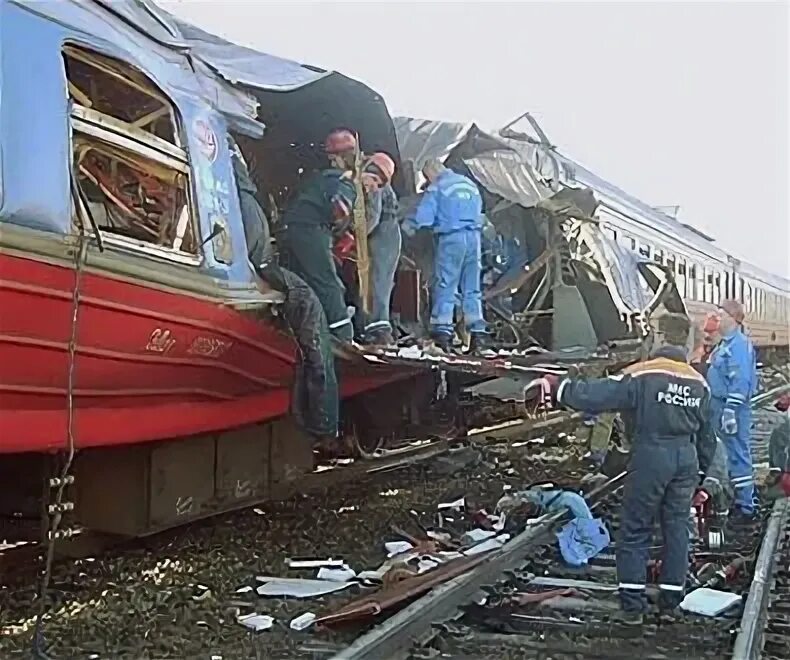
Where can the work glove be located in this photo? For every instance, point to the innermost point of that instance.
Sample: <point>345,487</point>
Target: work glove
<point>729,423</point>
<point>700,497</point>
<point>344,246</point>
<point>550,385</point>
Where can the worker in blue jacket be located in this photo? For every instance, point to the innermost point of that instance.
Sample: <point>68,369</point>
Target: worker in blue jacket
<point>673,446</point>
<point>733,380</point>
<point>452,208</point>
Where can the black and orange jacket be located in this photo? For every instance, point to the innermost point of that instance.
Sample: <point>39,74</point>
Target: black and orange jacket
<point>665,396</point>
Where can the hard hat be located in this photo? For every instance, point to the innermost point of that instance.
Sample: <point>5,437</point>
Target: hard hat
<point>711,324</point>
<point>340,141</point>
<point>382,166</point>
<point>734,309</point>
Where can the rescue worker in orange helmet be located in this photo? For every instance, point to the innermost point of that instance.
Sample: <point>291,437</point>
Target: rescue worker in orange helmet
<point>322,208</point>
<point>384,245</point>
<point>700,359</point>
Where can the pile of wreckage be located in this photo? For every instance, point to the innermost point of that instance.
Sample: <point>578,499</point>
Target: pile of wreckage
<point>460,535</point>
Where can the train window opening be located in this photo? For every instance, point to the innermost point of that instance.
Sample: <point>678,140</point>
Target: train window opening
<point>633,244</point>
<point>117,90</point>
<point>717,297</point>
<point>134,198</point>
<point>133,176</point>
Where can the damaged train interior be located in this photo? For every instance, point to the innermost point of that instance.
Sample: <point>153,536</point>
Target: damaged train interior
<point>159,370</point>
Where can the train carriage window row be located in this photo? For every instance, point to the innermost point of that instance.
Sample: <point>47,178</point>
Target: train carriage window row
<point>711,283</point>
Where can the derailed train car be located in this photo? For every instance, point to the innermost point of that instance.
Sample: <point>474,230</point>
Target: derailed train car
<point>135,337</point>
<point>130,312</point>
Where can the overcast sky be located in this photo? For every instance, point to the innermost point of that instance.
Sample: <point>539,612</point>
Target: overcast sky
<point>676,103</point>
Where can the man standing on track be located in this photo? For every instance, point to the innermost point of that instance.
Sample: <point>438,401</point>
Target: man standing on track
<point>733,380</point>
<point>673,444</point>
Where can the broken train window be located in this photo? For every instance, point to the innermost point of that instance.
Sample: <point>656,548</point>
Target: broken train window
<point>127,157</point>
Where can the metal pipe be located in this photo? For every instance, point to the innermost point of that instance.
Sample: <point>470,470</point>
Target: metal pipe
<point>748,643</point>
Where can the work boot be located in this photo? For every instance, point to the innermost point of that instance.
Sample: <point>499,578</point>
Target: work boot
<point>480,344</point>
<point>328,447</point>
<point>382,338</point>
<point>442,340</point>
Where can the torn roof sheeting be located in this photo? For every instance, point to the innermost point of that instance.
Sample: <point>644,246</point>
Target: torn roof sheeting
<point>217,66</point>
<point>494,164</point>
<point>237,64</point>
<point>244,66</point>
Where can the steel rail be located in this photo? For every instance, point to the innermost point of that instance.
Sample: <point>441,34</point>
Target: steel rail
<point>394,637</point>
<point>748,643</point>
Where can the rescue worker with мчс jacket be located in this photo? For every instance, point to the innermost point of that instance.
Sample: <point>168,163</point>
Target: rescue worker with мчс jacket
<point>323,204</point>
<point>733,380</point>
<point>673,444</point>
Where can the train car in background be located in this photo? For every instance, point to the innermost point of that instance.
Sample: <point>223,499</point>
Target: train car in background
<point>703,272</point>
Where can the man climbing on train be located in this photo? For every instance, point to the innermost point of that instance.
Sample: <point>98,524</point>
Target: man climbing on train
<point>673,445</point>
<point>453,209</point>
<point>732,378</point>
<point>322,208</point>
<point>384,245</point>
<point>315,397</point>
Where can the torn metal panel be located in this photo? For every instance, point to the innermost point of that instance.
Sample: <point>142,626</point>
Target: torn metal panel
<point>245,66</point>
<point>421,140</point>
<point>504,173</point>
<point>120,30</point>
<point>497,167</point>
<point>619,269</point>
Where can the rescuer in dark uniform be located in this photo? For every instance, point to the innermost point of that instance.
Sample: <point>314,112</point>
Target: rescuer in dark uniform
<point>315,398</point>
<point>322,205</point>
<point>673,445</point>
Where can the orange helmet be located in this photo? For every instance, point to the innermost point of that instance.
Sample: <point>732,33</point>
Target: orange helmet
<point>340,141</point>
<point>711,325</point>
<point>382,166</point>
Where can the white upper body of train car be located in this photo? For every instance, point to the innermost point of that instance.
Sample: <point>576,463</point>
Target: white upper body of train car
<point>705,274</point>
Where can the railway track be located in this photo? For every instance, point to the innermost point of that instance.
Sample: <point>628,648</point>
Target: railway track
<point>452,620</point>
<point>145,588</point>
<point>19,561</point>
<point>532,605</point>
<point>765,624</point>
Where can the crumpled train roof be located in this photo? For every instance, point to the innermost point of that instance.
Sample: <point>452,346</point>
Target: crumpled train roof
<point>237,64</point>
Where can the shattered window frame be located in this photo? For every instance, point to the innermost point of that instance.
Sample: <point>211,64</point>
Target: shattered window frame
<point>164,224</point>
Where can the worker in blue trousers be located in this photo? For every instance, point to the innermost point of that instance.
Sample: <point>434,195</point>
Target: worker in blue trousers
<point>384,245</point>
<point>673,445</point>
<point>732,377</point>
<point>453,209</point>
